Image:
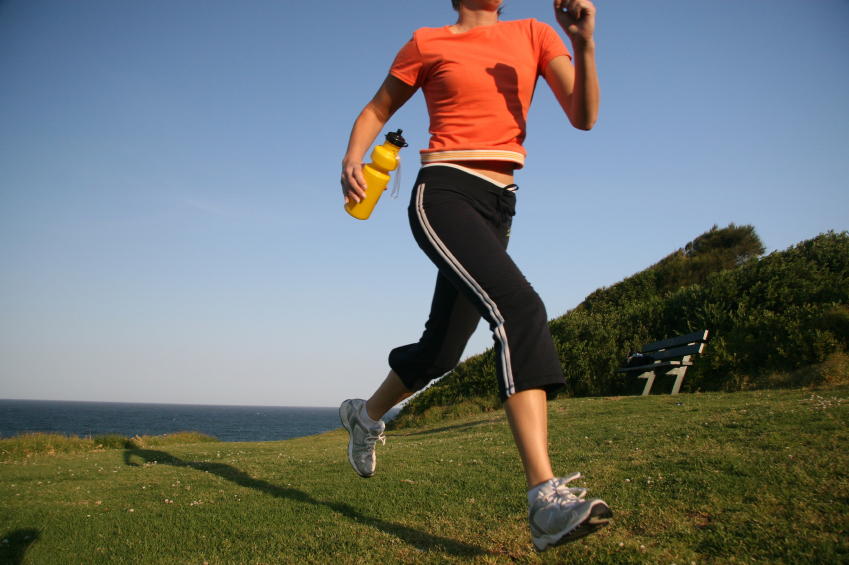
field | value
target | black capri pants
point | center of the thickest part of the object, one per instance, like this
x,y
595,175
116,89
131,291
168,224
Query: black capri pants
x,y
462,220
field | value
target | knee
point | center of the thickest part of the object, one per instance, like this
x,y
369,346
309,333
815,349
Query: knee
x,y
416,371
524,304
418,380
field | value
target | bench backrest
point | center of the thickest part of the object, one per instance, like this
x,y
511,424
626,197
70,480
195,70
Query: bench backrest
x,y
681,346
695,337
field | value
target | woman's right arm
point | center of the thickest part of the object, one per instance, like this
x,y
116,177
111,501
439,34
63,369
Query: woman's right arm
x,y
393,93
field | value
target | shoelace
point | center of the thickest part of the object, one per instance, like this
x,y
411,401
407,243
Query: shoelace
x,y
566,495
373,439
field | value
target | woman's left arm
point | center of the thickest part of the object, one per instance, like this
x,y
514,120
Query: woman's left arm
x,y
576,87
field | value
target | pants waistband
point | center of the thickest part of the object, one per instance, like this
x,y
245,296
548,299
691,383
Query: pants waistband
x,y
510,187
492,199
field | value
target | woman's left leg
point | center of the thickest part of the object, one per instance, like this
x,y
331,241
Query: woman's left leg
x,y
527,412
459,231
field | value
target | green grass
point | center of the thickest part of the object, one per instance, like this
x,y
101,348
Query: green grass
x,y
748,477
24,445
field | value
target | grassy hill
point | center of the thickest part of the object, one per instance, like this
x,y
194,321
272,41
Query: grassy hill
x,y
775,321
708,478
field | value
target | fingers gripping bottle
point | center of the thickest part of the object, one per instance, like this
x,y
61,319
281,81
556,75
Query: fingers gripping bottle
x,y
384,158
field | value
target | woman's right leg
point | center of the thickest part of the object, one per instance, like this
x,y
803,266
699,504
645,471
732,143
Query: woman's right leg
x,y
451,323
391,392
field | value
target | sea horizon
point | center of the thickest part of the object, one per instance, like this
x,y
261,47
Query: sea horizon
x,y
227,422
156,403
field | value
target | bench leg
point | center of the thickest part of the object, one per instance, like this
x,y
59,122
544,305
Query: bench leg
x,y
649,376
679,378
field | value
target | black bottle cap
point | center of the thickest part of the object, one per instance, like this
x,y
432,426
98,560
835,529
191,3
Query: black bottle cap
x,y
396,139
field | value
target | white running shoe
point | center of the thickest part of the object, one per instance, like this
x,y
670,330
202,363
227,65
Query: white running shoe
x,y
559,514
362,438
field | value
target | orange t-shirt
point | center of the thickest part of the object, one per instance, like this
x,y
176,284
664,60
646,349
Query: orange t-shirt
x,y
478,86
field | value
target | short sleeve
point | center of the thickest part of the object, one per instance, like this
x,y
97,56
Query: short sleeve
x,y
408,66
548,44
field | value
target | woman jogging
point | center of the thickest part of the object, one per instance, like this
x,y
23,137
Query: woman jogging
x,y
478,78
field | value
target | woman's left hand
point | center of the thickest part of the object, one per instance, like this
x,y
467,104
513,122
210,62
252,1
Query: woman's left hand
x,y
577,18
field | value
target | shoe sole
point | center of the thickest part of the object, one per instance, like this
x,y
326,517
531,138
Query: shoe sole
x,y
595,518
346,407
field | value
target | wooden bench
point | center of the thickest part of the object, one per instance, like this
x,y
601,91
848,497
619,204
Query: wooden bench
x,y
670,356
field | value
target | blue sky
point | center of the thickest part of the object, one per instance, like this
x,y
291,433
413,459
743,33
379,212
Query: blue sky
x,y
171,223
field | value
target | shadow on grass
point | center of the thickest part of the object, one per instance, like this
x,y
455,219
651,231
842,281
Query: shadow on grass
x,y
445,428
15,544
416,538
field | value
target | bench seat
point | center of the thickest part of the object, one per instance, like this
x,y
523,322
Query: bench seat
x,y
670,357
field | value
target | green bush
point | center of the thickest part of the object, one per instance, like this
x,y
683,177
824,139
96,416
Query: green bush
x,y
714,251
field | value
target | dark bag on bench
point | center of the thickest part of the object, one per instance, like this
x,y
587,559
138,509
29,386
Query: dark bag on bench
x,y
635,359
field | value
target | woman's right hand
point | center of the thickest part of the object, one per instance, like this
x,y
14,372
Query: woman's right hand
x,y
353,181
393,93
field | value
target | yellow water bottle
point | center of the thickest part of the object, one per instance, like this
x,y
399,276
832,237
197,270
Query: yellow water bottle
x,y
384,158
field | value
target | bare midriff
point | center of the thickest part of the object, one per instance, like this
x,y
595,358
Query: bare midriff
x,y
499,171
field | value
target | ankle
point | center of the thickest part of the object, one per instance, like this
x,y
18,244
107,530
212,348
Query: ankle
x,y
539,478
533,491
366,417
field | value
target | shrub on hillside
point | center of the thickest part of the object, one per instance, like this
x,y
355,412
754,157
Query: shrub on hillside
x,y
715,250
779,313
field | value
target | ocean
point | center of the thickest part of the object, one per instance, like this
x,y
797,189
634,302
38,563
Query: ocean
x,y
227,423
